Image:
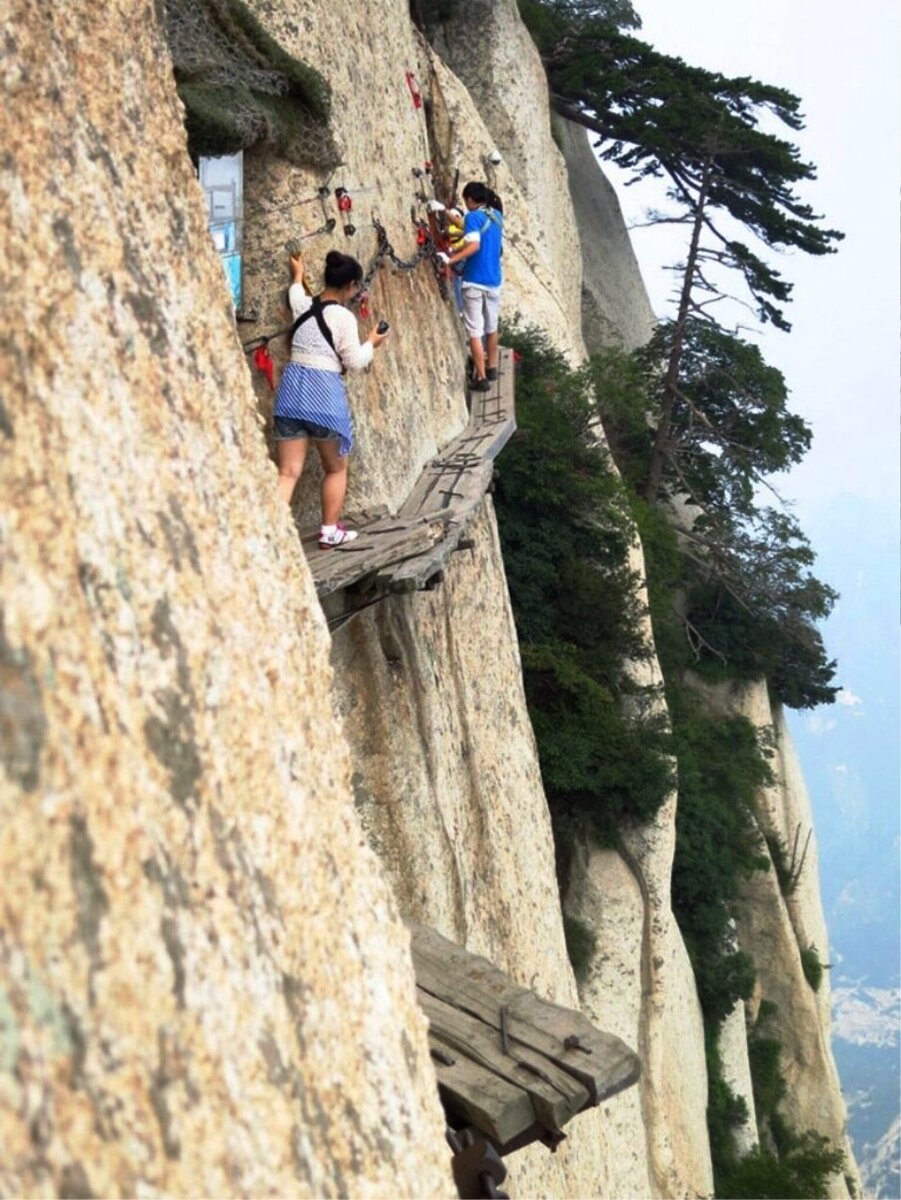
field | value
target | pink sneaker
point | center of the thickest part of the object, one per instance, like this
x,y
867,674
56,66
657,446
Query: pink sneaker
x,y
339,536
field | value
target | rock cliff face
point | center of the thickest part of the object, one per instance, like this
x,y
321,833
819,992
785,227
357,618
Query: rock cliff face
x,y
205,986
215,814
616,310
774,929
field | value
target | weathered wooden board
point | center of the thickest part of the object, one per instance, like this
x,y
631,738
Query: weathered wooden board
x,y
555,1095
390,541
408,550
418,569
500,1109
601,1062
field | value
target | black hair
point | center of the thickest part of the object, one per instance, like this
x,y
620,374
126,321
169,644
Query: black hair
x,y
481,193
341,269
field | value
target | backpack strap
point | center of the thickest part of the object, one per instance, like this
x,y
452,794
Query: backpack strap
x,y
492,218
315,312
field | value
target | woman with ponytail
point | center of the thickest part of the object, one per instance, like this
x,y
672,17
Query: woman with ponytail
x,y
311,402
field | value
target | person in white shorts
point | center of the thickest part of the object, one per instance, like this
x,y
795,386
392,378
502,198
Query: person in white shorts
x,y
483,238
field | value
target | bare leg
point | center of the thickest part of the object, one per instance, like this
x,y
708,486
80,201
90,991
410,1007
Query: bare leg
x,y
477,351
291,457
334,485
492,349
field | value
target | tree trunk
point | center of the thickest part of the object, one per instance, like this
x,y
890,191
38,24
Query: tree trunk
x,y
661,440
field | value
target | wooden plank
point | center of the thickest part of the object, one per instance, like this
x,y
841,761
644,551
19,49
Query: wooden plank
x,y
614,1066
417,571
334,569
555,1095
404,552
498,1108
601,1062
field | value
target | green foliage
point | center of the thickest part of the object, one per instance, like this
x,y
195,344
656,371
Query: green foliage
x,y
734,596
769,1086
726,1112
754,603
781,864
542,17
595,763
766,1011
429,14
801,1164
812,967
623,389
545,18
566,533
730,424
800,1174
721,766
580,945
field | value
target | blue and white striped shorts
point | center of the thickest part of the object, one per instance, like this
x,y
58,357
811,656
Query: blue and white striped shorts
x,y
307,394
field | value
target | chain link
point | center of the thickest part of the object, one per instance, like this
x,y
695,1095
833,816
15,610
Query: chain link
x,y
385,252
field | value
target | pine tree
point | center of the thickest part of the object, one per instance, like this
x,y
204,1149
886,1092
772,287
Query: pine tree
x,y
657,116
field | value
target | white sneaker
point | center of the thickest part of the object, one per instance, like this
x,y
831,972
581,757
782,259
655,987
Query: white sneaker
x,y
339,536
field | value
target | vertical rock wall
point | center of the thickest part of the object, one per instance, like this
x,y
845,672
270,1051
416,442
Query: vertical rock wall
x,y
204,986
737,1074
774,929
445,773
616,310
447,786
487,46
639,985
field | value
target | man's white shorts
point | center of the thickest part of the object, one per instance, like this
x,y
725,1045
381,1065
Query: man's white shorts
x,y
480,310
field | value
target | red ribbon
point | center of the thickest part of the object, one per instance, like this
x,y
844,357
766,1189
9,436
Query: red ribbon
x,y
415,94
262,360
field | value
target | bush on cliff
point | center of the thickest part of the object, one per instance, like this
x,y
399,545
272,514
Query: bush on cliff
x,y
566,533
721,766
812,966
802,1174
732,594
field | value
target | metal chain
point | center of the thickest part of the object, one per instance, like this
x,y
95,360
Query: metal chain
x,y
384,253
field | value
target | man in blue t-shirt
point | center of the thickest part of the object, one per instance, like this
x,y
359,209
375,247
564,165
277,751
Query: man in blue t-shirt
x,y
483,235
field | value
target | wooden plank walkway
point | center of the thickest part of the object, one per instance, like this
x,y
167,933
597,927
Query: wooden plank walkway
x,y
516,1067
402,553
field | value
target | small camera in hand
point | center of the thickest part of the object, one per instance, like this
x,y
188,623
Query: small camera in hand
x,y
382,327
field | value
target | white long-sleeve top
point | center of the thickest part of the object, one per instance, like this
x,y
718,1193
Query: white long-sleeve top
x,y
309,347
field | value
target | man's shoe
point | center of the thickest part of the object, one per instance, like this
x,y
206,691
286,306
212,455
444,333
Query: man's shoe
x,y
480,385
491,374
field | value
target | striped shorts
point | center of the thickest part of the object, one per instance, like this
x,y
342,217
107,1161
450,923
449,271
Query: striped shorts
x,y
318,397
